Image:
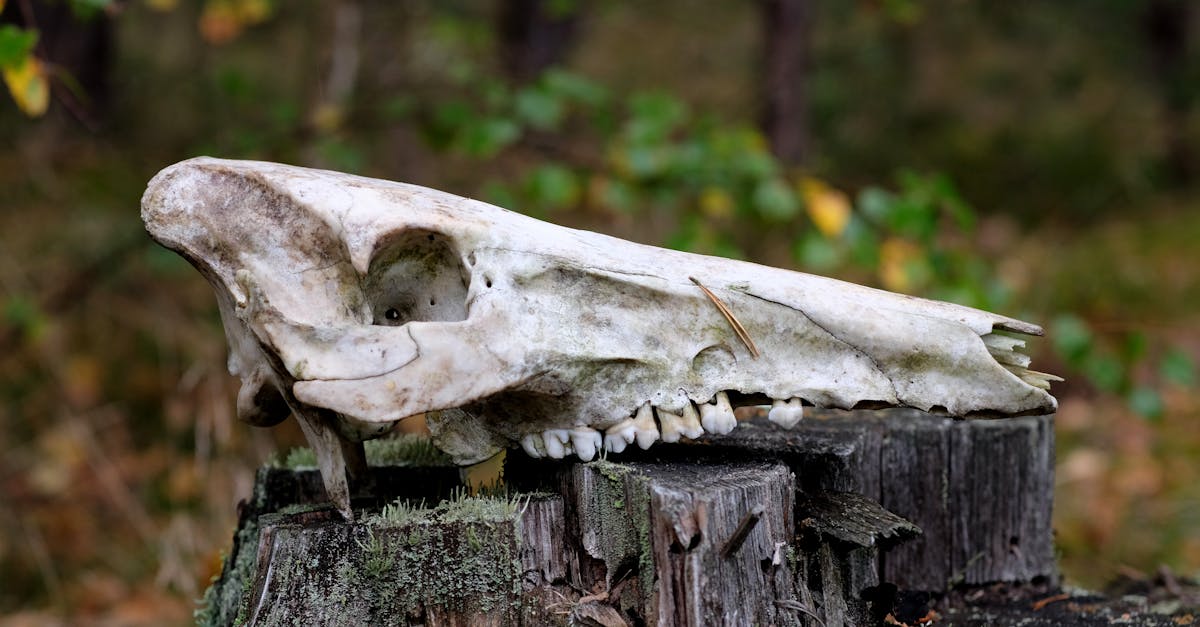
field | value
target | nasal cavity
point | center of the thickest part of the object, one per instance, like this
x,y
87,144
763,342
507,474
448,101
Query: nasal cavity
x,y
417,275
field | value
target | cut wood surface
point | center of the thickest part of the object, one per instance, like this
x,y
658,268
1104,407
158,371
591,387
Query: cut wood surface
x,y
825,524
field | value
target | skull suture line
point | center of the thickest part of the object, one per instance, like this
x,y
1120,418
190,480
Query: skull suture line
x,y
354,302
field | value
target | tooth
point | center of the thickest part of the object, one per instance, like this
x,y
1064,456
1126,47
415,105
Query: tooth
x,y
532,443
646,431
554,440
718,418
672,424
691,422
619,435
586,442
788,414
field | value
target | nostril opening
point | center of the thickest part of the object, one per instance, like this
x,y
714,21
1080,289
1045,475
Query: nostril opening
x,y
487,280
392,314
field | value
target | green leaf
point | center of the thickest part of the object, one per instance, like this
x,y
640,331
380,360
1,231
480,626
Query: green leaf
x,y
1105,372
1072,338
1134,347
1146,402
538,108
87,9
25,315
863,242
553,186
643,162
876,204
16,44
486,137
618,195
814,252
653,116
574,87
775,201
1178,368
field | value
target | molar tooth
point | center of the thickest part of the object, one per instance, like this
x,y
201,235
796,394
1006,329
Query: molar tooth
x,y
685,424
671,423
718,418
586,442
645,429
691,422
788,414
619,435
532,443
554,440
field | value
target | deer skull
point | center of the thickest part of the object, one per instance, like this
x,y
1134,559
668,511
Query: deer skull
x,y
354,303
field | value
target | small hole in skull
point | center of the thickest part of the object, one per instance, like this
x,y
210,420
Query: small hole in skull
x,y
392,314
432,302
429,237
487,280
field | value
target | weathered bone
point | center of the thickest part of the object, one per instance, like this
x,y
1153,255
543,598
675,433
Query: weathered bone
x,y
358,302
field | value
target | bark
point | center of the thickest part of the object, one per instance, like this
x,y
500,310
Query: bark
x,y
763,526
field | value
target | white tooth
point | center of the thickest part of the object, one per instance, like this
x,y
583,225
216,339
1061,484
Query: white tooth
x,y
586,442
672,424
786,415
645,429
718,418
532,443
619,435
554,443
691,422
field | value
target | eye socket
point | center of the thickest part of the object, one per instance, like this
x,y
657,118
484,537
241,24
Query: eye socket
x,y
392,314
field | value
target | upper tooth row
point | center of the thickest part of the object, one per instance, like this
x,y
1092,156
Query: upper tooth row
x,y
715,417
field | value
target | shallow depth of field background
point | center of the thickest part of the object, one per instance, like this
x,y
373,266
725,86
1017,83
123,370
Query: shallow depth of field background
x,y
1035,159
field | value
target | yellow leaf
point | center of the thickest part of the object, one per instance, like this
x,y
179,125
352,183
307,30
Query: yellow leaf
x,y
28,85
327,117
828,208
716,203
1,6
219,22
254,11
895,257
162,5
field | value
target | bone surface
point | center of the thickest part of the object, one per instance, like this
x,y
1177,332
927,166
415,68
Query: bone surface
x,y
360,302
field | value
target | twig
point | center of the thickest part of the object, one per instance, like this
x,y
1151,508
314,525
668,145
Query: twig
x,y
796,606
747,524
1041,603
733,322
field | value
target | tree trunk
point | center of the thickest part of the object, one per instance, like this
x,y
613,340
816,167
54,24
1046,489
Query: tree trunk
x,y
535,35
762,526
1166,31
785,111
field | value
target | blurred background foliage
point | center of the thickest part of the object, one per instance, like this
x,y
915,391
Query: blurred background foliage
x,y
1034,159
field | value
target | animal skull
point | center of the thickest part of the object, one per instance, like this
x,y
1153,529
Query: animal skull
x,y
354,303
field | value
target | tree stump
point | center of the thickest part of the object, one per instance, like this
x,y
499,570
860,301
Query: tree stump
x,y
820,525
